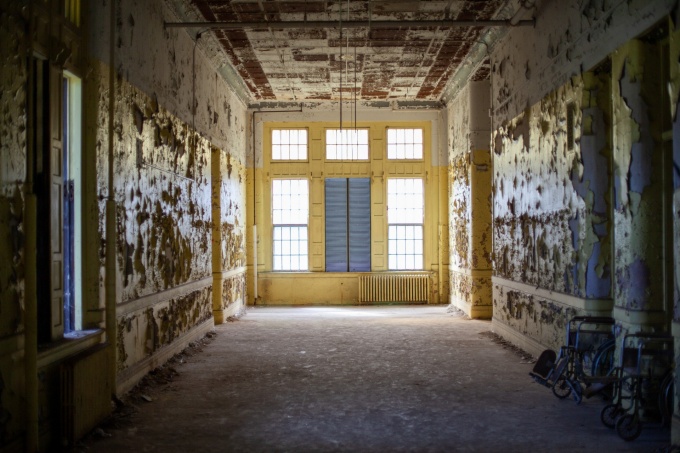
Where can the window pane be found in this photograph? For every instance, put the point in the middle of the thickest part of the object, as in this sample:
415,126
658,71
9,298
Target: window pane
405,241
289,144
347,144
405,200
290,251
290,210
405,144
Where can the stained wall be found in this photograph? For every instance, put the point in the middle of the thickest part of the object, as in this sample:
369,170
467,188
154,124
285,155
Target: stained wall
469,198
555,244
179,147
583,114
179,184
13,81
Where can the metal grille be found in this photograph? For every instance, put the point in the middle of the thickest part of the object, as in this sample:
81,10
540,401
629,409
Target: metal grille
85,393
394,287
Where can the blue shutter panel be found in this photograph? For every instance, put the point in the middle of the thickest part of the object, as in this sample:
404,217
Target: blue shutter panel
336,225
359,225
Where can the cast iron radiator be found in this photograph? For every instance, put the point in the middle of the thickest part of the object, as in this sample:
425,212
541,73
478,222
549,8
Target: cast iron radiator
85,393
407,287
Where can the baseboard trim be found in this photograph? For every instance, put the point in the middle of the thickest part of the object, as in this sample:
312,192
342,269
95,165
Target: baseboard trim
600,307
520,340
129,377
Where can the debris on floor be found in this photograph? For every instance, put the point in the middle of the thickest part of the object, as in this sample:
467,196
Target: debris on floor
156,381
525,356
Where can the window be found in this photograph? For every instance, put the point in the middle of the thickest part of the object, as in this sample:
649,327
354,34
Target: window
289,144
347,144
405,214
348,224
56,113
405,144
290,212
72,203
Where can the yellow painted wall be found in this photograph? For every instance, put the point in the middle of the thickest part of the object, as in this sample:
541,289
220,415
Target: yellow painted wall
296,288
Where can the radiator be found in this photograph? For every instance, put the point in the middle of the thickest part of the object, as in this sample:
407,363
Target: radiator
394,287
85,393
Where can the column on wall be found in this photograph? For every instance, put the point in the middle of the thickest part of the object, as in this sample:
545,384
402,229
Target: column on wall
216,184
641,180
470,211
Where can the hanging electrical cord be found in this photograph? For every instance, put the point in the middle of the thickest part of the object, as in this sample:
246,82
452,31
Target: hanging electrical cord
340,82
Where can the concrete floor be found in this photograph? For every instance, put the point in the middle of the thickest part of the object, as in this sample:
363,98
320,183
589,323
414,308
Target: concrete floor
356,379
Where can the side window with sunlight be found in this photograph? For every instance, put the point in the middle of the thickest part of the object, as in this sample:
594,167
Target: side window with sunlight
405,215
290,213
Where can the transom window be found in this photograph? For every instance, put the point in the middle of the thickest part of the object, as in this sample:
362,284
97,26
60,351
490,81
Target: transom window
289,144
405,215
405,144
347,144
290,213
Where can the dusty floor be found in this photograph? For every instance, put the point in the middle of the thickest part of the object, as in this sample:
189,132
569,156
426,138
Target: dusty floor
356,379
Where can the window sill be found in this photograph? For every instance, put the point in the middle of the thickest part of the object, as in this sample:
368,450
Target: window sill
71,344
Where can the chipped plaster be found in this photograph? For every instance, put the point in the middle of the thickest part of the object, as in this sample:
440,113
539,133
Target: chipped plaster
470,224
13,145
569,38
639,198
173,115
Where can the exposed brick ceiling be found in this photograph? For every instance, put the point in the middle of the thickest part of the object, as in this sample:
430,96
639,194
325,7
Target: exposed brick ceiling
403,62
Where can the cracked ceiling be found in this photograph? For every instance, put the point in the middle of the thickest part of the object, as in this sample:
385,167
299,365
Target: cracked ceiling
412,60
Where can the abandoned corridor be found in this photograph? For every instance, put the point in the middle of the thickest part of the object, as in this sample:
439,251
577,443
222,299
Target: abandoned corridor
359,379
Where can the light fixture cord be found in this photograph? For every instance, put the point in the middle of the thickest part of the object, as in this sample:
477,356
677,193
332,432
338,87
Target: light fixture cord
340,15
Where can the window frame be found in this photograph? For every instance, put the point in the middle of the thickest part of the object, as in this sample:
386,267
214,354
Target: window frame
291,225
404,159
403,224
272,145
343,130
73,123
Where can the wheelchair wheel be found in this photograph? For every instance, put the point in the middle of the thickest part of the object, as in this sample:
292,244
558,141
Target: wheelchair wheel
609,415
603,362
561,389
628,427
666,395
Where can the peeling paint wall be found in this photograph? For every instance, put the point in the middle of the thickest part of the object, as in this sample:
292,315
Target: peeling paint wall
459,179
674,103
561,170
13,82
641,177
470,224
228,235
569,38
143,332
533,316
547,217
162,190
174,120
552,214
